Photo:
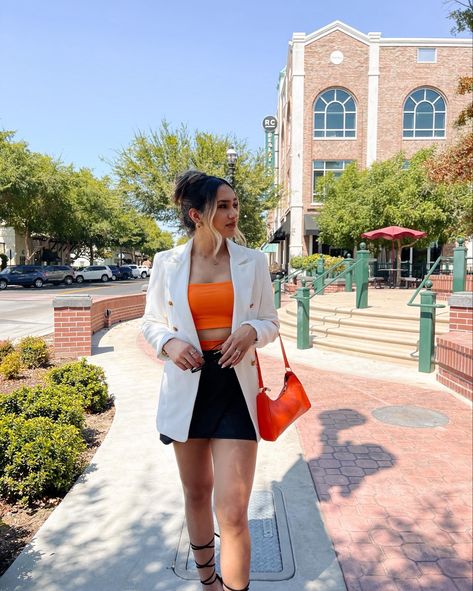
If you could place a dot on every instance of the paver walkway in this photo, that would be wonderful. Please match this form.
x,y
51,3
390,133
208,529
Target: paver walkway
x,y
396,501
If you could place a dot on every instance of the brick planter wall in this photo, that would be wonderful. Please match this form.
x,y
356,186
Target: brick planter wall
x,y
455,349
443,285
76,318
455,361
334,288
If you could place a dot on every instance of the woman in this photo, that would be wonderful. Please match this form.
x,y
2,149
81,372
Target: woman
x,y
209,304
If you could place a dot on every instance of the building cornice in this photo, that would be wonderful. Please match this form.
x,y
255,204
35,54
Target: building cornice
x,y
426,42
388,41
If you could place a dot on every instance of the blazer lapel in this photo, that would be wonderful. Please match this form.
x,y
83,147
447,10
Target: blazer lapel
x,y
242,269
178,271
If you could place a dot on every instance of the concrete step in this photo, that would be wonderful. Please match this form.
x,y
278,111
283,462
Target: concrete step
x,y
373,323
316,308
388,334
387,351
371,332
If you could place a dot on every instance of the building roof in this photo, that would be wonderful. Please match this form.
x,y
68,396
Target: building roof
x,y
376,36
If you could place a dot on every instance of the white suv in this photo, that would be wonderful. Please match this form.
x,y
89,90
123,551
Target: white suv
x,y
139,271
94,273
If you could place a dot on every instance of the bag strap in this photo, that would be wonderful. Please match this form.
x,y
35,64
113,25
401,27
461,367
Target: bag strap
x,y
286,364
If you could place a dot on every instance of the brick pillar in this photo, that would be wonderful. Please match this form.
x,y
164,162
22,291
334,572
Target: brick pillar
x,y
461,311
72,326
455,349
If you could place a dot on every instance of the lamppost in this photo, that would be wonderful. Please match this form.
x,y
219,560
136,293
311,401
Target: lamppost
x,y
231,161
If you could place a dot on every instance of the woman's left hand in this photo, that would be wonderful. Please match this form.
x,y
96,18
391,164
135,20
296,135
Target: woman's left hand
x,y
237,344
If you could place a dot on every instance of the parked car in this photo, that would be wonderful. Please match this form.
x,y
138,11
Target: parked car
x,y
135,270
139,271
25,275
59,274
94,273
144,271
122,272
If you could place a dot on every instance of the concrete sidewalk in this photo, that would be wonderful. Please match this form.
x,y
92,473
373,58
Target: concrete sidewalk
x,y
120,526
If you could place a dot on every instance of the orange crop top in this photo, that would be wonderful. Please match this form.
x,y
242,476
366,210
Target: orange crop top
x,y
211,304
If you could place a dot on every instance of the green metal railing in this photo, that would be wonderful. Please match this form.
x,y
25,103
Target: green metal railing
x,y
278,283
357,269
428,304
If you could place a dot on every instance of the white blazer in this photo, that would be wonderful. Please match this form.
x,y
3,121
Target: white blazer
x,y
168,315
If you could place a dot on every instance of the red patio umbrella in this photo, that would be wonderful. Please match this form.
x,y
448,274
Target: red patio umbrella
x,y
393,233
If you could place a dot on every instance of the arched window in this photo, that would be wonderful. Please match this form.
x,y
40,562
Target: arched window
x,y
424,114
335,114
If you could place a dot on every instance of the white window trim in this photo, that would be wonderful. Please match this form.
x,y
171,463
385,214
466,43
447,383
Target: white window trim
x,y
344,129
434,61
348,160
413,112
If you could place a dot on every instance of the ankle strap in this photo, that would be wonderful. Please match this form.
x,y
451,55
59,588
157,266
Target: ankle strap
x,y
211,544
232,589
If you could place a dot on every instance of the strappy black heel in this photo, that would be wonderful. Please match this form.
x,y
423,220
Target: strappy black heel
x,y
214,576
232,589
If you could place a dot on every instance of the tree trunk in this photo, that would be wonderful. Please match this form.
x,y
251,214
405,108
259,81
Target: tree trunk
x,y
91,247
398,263
28,255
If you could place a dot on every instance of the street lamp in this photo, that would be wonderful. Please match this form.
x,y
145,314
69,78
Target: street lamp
x,y
231,161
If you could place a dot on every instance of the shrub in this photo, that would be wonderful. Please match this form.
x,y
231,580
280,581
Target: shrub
x,y
34,352
11,365
39,457
310,262
6,347
86,379
53,401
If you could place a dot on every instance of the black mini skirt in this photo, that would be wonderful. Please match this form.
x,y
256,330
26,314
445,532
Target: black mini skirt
x,y
220,410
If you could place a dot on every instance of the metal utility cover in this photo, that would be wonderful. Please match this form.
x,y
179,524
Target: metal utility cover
x,y
271,552
410,416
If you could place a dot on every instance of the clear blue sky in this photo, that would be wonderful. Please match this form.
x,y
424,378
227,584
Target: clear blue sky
x,y
80,77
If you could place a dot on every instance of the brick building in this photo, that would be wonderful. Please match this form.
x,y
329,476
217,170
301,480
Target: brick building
x,y
348,96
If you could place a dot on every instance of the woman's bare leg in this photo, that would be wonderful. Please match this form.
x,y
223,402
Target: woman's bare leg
x,y
234,469
194,460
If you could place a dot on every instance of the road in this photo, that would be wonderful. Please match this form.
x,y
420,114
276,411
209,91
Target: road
x,y
25,312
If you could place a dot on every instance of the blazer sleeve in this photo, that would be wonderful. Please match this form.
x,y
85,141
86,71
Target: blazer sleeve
x,y
154,325
267,322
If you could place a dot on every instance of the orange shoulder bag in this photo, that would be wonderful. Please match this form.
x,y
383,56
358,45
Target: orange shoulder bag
x,y
275,416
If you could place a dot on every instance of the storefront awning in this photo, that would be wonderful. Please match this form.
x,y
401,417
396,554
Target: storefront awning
x,y
311,227
270,248
282,232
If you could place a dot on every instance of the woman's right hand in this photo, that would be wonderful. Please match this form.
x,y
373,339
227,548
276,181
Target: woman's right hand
x,y
183,354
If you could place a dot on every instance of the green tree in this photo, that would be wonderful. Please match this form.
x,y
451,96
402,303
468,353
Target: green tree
x,y
153,238
463,16
391,194
96,209
147,169
34,191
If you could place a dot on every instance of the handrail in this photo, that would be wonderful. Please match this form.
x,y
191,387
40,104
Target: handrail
x,y
312,279
319,277
426,278
293,274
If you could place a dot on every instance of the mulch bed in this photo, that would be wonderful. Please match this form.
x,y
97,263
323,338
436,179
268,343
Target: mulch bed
x,y
19,524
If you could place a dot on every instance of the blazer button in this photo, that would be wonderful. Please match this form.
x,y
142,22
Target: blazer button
x,y
175,328
170,303
253,362
251,305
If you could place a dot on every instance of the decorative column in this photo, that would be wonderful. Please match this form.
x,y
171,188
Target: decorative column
x,y
373,86
297,144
